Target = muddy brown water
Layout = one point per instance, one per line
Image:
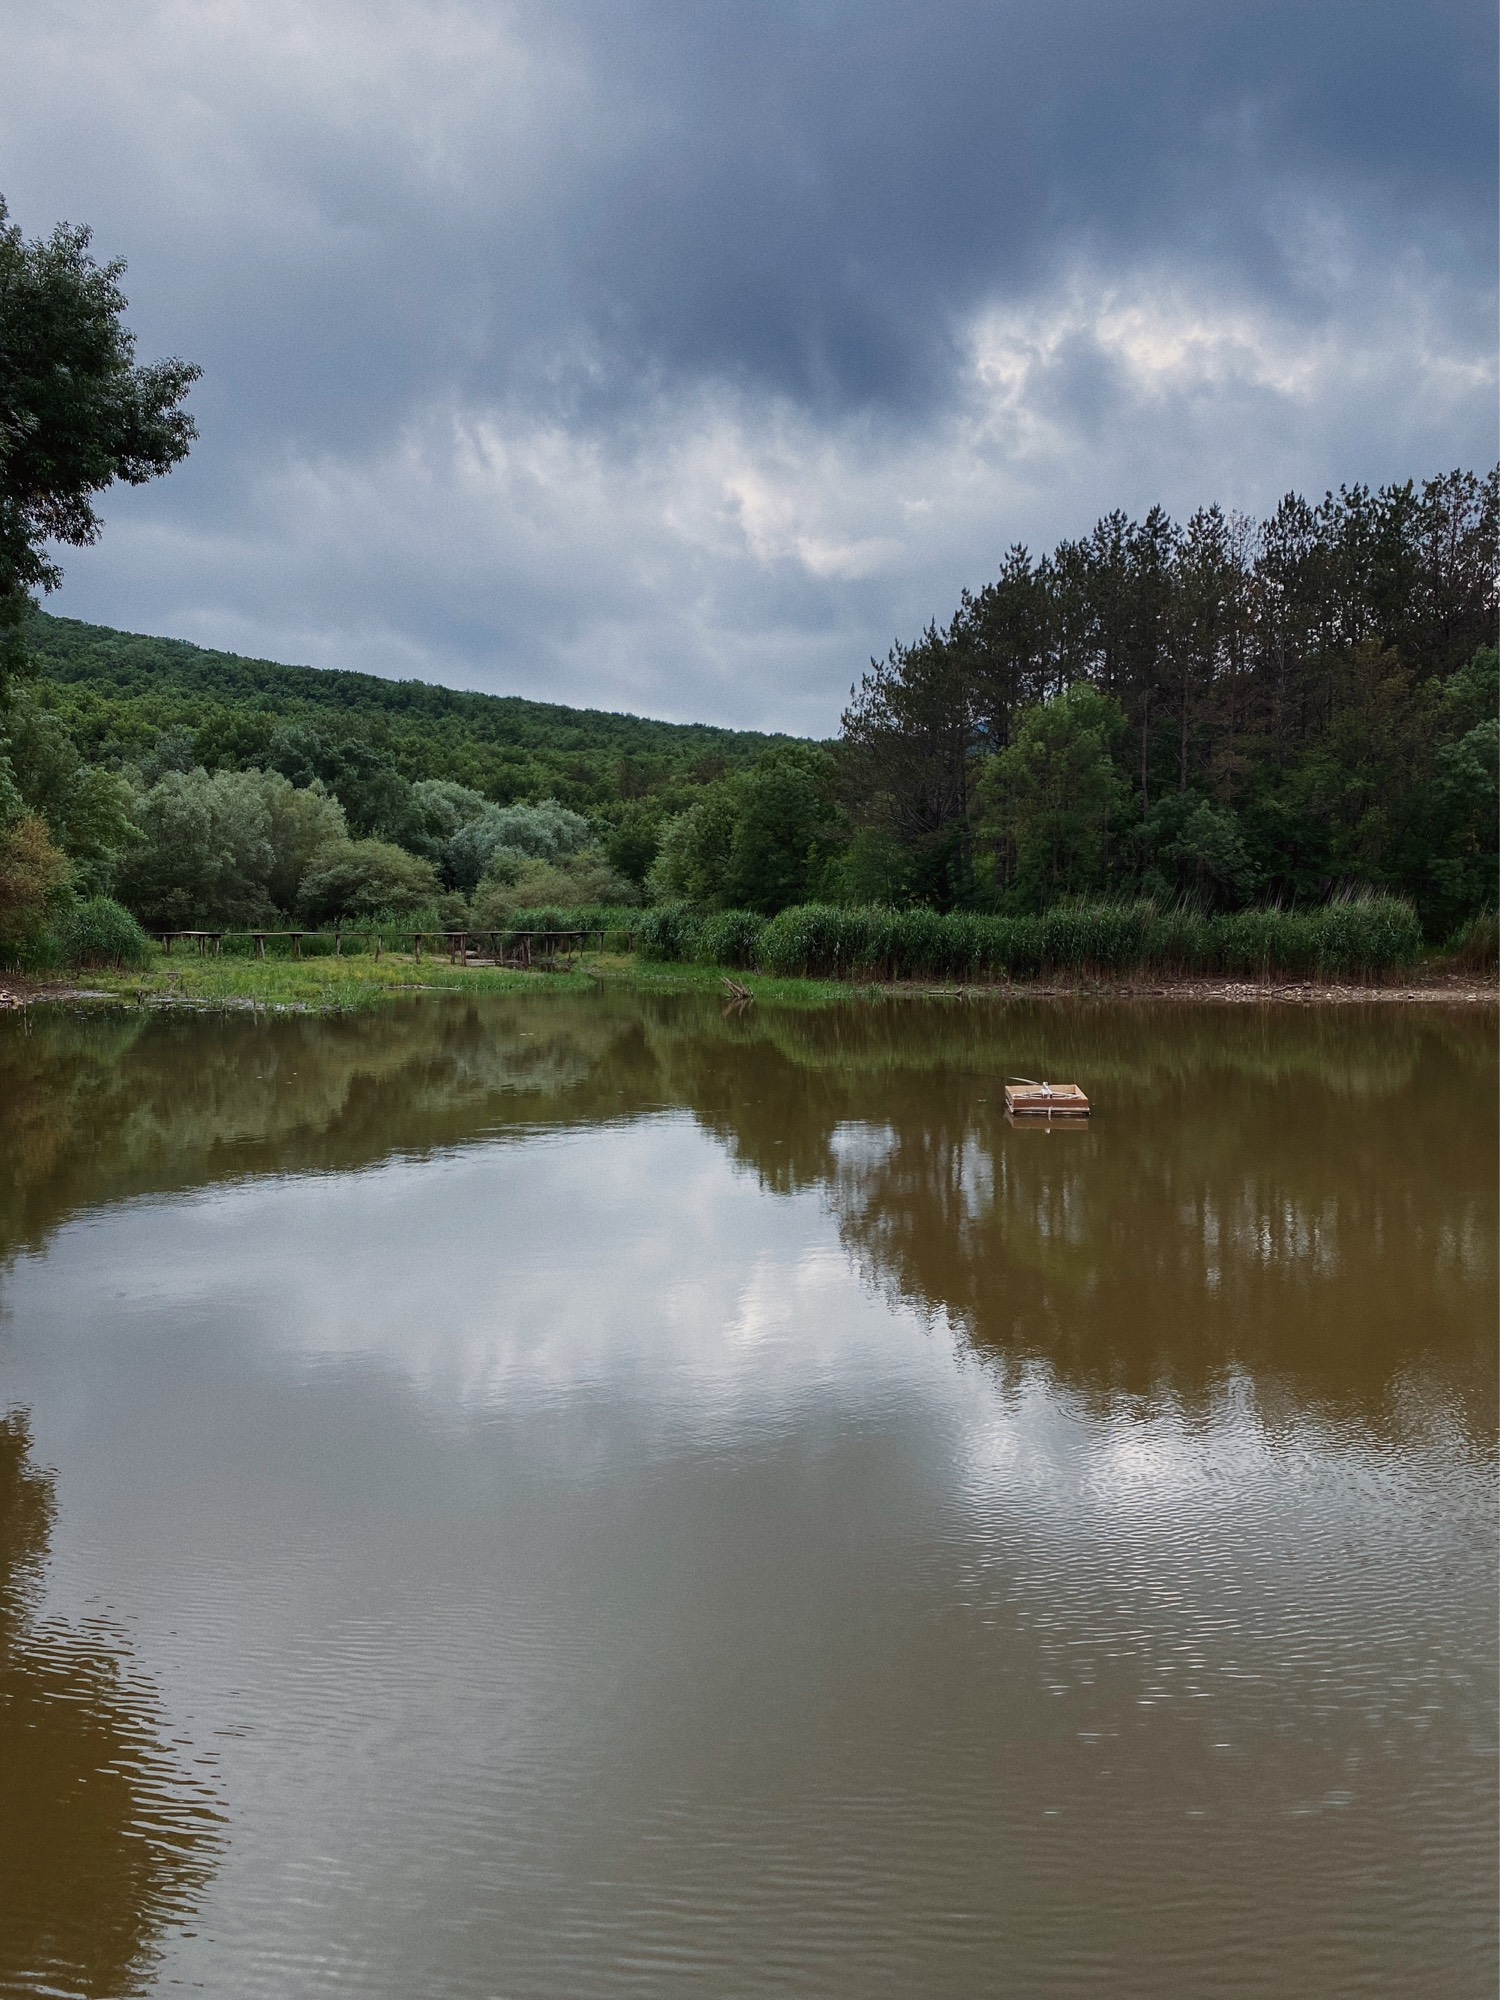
(577, 1496)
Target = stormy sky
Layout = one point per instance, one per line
(677, 357)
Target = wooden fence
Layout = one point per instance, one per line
(507, 947)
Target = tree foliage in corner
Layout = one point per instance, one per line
(77, 411)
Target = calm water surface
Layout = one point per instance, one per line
(583, 1496)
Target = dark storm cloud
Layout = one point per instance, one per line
(677, 353)
(809, 198)
(831, 187)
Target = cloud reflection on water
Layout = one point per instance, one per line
(1298, 1199)
(701, 1502)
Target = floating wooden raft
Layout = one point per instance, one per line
(1025, 1099)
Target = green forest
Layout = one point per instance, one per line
(1211, 717)
(1175, 726)
(1231, 711)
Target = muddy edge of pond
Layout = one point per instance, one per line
(1440, 988)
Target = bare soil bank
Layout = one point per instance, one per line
(1435, 988)
(1444, 988)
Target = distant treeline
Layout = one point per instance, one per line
(1231, 710)
(1212, 717)
(120, 694)
(199, 788)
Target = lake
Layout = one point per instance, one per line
(588, 1495)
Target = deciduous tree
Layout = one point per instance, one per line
(1051, 798)
(77, 411)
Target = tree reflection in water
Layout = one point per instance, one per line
(1300, 1200)
(1247, 1166)
(104, 1839)
(1294, 1206)
(1303, 1249)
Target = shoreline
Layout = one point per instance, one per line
(326, 986)
(1435, 989)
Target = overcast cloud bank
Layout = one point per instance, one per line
(663, 357)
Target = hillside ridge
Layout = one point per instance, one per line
(135, 664)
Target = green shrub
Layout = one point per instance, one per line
(1361, 936)
(1366, 934)
(1251, 944)
(669, 932)
(894, 943)
(1476, 948)
(820, 939)
(611, 917)
(35, 888)
(1095, 937)
(102, 932)
(732, 937)
(354, 878)
(583, 881)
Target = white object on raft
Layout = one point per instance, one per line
(1025, 1098)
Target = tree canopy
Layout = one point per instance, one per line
(1298, 700)
(1224, 713)
(77, 411)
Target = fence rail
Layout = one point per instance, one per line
(526, 945)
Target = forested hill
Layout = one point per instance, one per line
(121, 692)
(1219, 714)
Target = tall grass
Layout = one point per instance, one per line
(1476, 948)
(669, 932)
(1361, 937)
(732, 937)
(99, 932)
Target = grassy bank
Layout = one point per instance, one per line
(355, 984)
(322, 983)
(325, 984)
(810, 955)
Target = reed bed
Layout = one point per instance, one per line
(1362, 937)
(1476, 947)
(732, 938)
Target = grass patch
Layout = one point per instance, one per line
(650, 976)
(322, 984)
(1476, 948)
